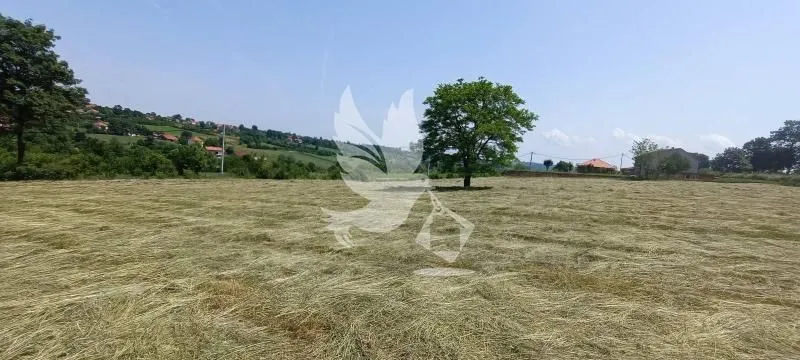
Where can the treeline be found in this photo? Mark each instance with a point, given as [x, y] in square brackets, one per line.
[272, 139]
[777, 153]
[58, 156]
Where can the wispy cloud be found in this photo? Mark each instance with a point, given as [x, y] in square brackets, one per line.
[159, 7]
[720, 141]
[622, 134]
[559, 137]
[706, 143]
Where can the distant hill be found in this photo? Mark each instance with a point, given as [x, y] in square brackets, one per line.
[518, 164]
[125, 124]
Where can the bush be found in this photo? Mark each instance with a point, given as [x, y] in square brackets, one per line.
[27, 172]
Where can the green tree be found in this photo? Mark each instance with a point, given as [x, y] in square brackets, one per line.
[673, 164]
[640, 148]
[480, 121]
[80, 136]
[186, 135]
[787, 140]
[37, 89]
[189, 157]
[564, 166]
[763, 155]
[733, 159]
[547, 164]
[211, 141]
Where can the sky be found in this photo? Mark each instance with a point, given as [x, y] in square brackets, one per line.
[701, 75]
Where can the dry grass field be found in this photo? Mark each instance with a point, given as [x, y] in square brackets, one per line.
[245, 269]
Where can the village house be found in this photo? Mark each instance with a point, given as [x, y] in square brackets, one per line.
[168, 137]
[100, 125]
[195, 140]
[295, 139]
[216, 150]
[595, 166]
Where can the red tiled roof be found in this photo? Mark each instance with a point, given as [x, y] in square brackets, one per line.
[213, 148]
[169, 137]
[598, 163]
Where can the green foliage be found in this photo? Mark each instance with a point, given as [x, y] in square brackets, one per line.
[190, 157]
[37, 89]
[479, 121]
[547, 164]
[673, 164]
[639, 150]
[787, 142]
[212, 141]
[763, 154]
[731, 160]
[186, 135]
[564, 166]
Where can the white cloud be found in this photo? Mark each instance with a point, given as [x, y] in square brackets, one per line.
[720, 141]
[563, 139]
[621, 134]
[666, 141]
[558, 136]
[708, 144]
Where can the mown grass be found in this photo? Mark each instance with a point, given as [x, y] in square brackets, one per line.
[781, 179]
[242, 269]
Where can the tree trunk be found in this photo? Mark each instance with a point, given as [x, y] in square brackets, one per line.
[467, 173]
[20, 145]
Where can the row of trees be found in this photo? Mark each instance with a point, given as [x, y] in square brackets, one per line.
[780, 152]
[61, 157]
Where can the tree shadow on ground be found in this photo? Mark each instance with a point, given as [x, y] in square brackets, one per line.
[460, 188]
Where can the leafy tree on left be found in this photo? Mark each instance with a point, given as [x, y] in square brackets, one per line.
[37, 89]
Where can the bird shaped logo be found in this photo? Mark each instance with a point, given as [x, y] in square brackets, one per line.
[384, 171]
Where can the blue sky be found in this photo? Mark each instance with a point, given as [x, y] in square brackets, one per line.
[696, 74]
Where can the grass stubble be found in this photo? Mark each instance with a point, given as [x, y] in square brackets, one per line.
[245, 269]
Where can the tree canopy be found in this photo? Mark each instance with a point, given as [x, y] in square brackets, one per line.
[37, 89]
[564, 166]
[733, 159]
[477, 122]
[787, 141]
[640, 148]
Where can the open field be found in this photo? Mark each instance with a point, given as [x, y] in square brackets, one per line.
[165, 128]
[323, 161]
[244, 269]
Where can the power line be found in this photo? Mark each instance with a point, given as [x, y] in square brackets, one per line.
[531, 153]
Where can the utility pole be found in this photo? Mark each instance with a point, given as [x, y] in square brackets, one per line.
[222, 165]
[530, 163]
[620, 161]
